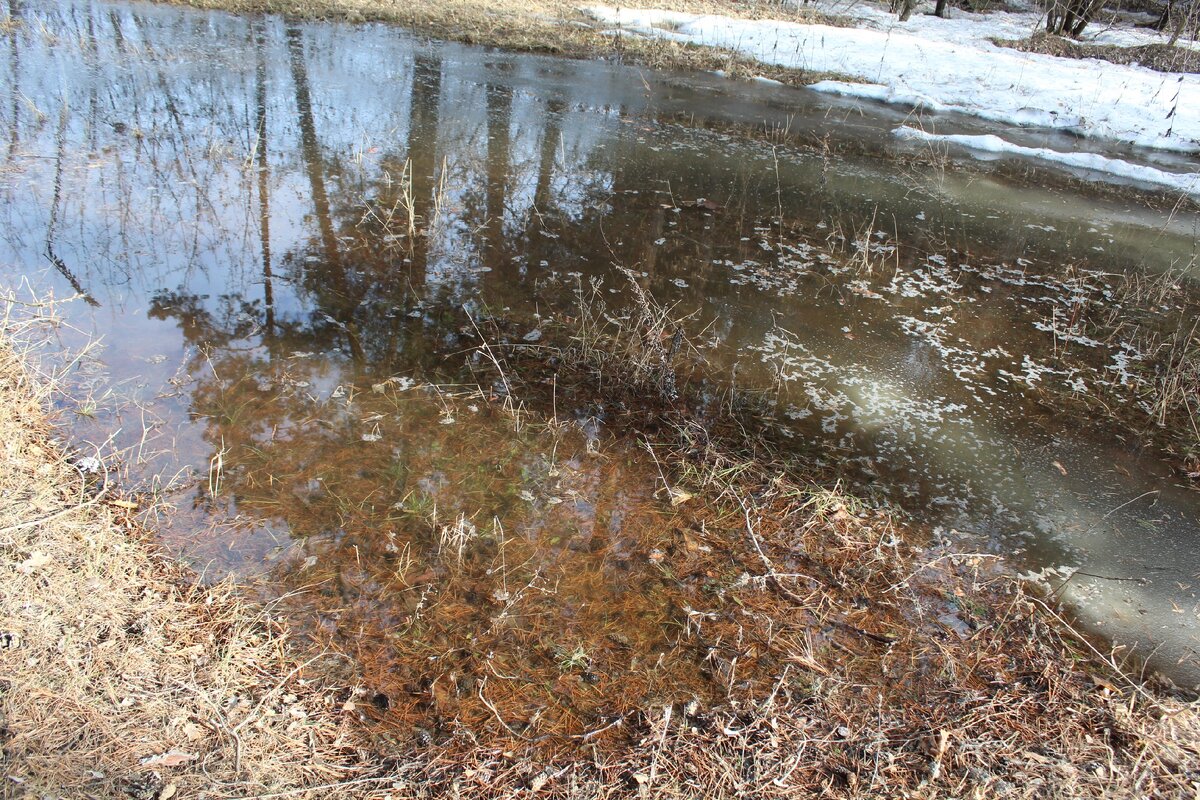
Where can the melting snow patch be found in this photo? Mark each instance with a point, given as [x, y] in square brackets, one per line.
[1187, 182]
[908, 64]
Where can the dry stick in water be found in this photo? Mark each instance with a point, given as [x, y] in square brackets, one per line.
[774, 577]
[491, 356]
[662, 739]
[496, 712]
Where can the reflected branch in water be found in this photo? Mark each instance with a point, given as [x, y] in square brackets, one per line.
[551, 141]
[310, 151]
[14, 71]
[58, 263]
[499, 120]
[423, 122]
[262, 168]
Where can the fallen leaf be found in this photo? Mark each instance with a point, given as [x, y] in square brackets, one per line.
[1060, 467]
[679, 496]
[194, 732]
[36, 560]
[126, 504]
[172, 758]
[168, 792]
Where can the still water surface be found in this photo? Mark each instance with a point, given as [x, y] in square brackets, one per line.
[229, 197]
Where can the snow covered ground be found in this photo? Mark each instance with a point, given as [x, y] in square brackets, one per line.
[951, 65]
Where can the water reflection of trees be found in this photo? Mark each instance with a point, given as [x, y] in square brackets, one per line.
[364, 283]
[501, 181]
[352, 478]
[506, 190]
[368, 305]
[512, 166]
[241, 198]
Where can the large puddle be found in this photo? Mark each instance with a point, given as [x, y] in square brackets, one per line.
[231, 198]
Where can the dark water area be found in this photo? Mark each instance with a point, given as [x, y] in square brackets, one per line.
[263, 219]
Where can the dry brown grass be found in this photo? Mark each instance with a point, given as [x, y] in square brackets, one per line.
[1160, 56]
[119, 675]
[547, 26]
[845, 678]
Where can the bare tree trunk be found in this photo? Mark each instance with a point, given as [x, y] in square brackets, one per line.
[423, 122]
[1071, 17]
[1186, 21]
[550, 141]
[1068, 19]
[1165, 18]
[310, 148]
[1089, 10]
[940, 10]
[14, 68]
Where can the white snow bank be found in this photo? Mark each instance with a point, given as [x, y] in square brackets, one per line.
[963, 27]
[1186, 182]
[950, 65]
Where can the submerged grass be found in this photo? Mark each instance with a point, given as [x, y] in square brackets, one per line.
[1150, 320]
[831, 654]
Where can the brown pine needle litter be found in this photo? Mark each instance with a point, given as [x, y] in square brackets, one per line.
[122, 677]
